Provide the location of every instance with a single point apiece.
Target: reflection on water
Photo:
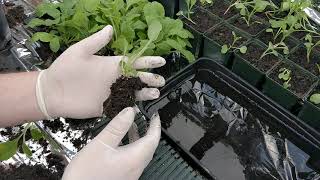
(227, 139)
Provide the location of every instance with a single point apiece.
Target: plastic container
(263, 25)
(283, 96)
(210, 73)
(5, 34)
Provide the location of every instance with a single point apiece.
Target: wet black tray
(229, 84)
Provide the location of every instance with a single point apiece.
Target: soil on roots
(14, 14)
(122, 95)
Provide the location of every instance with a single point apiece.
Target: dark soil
(253, 55)
(203, 20)
(299, 56)
(15, 14)
(122, 95)
(223, 35)
(300, 81)
(299, 35)
(266, 37)
(26, 172)
(56, 162)
(253, 28)
(55, 125)
(219, 8)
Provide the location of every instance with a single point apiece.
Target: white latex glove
(102, 158)
(78, 82)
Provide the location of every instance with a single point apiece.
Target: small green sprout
(285, 75)
(274, 48)
(310, 45)
(226, 48)
(188, 12)
(205, 2)
(315, 98)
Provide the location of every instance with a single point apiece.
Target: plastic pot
(285, 97)
(310, 114)
(212, 49)
(263, 26)
(171, 7)
(246, 70)
(214, 78)
(5, 34)
(196, 42)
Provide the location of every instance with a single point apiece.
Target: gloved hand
(102, 158)
(78, 82)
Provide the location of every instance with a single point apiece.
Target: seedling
(274, 48)
(206, 2)
(188, 12)
(285, 75)
(310, 45)
(9, 148)
(131, 20)
(315, 98)
(226, 48)
(248, 8)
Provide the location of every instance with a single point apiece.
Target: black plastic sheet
(227, 139)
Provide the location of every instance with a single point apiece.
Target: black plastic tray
(247, 96)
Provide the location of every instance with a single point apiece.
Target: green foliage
(131, 20)
(10, 148)
(226, 48)
(310, 45)
(187, 13)
(285, 75)
(248, 8)
(315, 98)
(206, 2)
(274, 48)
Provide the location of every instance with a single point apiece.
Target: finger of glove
(117, 128)
(147, 94)
(147, 62)
(146, 146)
(152, 80)
(95, 42)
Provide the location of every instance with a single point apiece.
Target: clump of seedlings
(226, 48)
(285, 76)
(188, 12)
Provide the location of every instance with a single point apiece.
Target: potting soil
(227, 139)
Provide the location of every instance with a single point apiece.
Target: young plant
(226, 48)
(285, 75)
(248, 8)
(10, 148)
(315, 98)
(75, 20)
(206, 2)
(188, 12)
(310, 45)
(274, 48)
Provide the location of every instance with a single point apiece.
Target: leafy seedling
(226, 48)
(285, 75)
(188, 12)
(274, 48)
(315, 98)
(310, 45)
(131, 20)
(206, 2)
(10, 148)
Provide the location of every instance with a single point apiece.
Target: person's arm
(18, 102)
(74, 86)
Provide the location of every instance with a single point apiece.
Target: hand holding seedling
(103, 158)
(78, 82)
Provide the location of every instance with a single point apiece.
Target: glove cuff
(40, 99)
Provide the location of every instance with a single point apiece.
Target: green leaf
(36, 134)
(49, 9)
(91, 5)
(133, 2)
(154, 30)
(55, 44)
(26, 150)
(269, 30)
(139, 25)
(224, 49)
(153, 12)
(42, 36)
(36, 22)
(315, 98)
(8, 149)
(243, 49)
